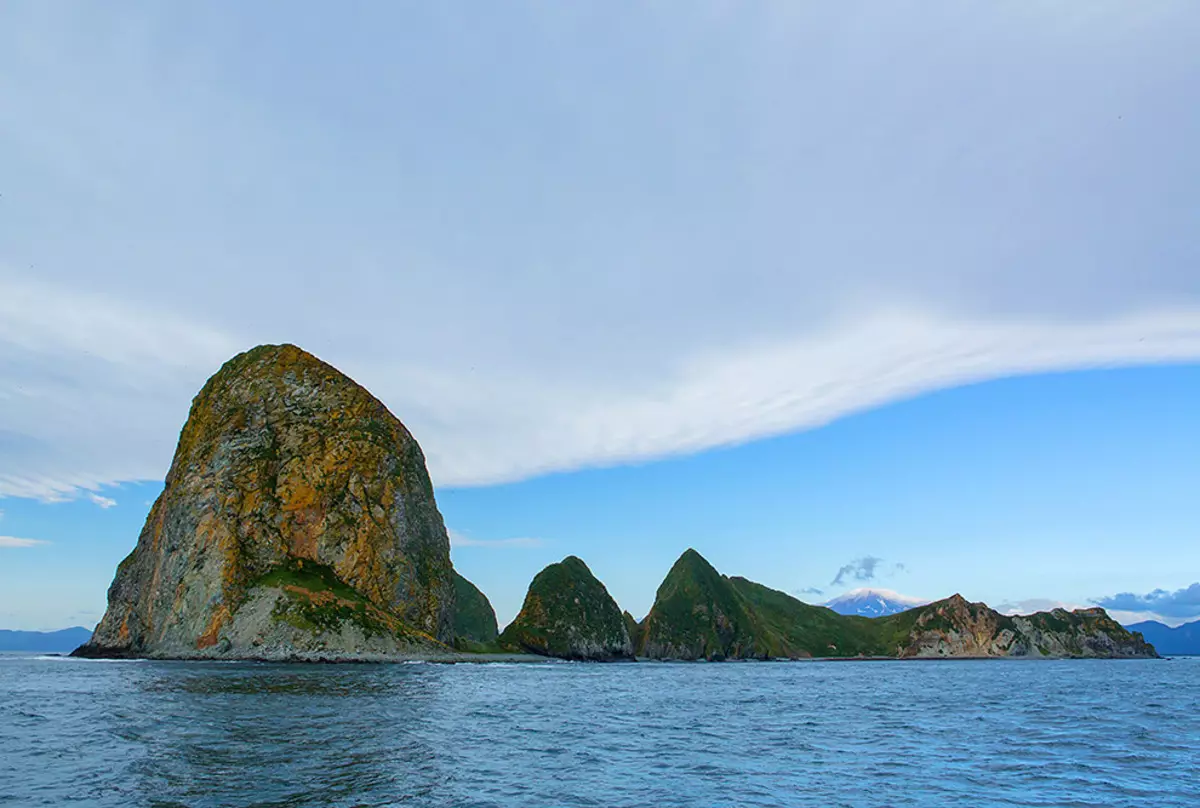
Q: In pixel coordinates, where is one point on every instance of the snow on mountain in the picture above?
(873, 602)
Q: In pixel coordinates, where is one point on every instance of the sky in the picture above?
(910, 290)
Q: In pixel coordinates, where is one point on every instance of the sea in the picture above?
(928, 734)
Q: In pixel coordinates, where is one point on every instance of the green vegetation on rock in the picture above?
(475, 626)
(633, 629)
(569, 614)
(701, 614)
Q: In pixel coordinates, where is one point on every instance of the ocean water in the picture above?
(1070, 733)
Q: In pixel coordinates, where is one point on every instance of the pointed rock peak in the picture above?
(568, 613)
(693, 562)
(576, 563)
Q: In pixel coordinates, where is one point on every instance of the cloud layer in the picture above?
(542, 260)
(1180, 604)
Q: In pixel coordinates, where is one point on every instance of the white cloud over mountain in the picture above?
(546, 260)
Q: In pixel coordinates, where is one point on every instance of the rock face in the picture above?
(701, 614)
(474, 619)
(570, 615)
(297, 520)
(956, 628)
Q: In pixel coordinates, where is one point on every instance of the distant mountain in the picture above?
(63, 641)
(1178, 641)
(873, 603)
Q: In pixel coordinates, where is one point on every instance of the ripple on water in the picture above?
(895, 734)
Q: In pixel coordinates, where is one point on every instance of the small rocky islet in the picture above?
(298, 522)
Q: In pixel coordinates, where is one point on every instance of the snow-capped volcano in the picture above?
(873, 602)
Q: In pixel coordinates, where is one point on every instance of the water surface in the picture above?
(1070, 733)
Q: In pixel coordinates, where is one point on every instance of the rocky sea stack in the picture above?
(570, 615)
(297, 521)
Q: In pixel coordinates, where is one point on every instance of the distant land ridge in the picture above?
(1179, 641)
(44, 641)
(298, 522)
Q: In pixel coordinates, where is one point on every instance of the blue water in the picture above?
(1084, 733)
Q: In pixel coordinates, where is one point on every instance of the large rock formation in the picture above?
(475, 626)
(701, 614)
(570, 615)
(956, 628)
(698, 615)
(297, 521)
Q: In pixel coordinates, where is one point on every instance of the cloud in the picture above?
(586, 286)
(810, 590)
(13, 541)
(104, 502)
(1031, 605)
(1181, 603)
(861, 569)
(460, 540)
(867, 568)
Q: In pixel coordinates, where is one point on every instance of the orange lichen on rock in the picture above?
(209, 637)
(283, 457)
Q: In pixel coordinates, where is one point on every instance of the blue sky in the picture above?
(795, 284)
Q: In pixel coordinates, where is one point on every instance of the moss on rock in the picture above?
(570, 615)
(475, 626)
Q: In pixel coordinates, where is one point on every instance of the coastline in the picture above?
(461, 657)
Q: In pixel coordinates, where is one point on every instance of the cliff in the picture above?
(297, 521)
(570, 615)
(957, 628)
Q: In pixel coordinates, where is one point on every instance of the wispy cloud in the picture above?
(13, 541)
(461, 540)
(809, 590)
(760, 309)
(1031, 605)
(1181, 603)
(860, 569)
(104, 502)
